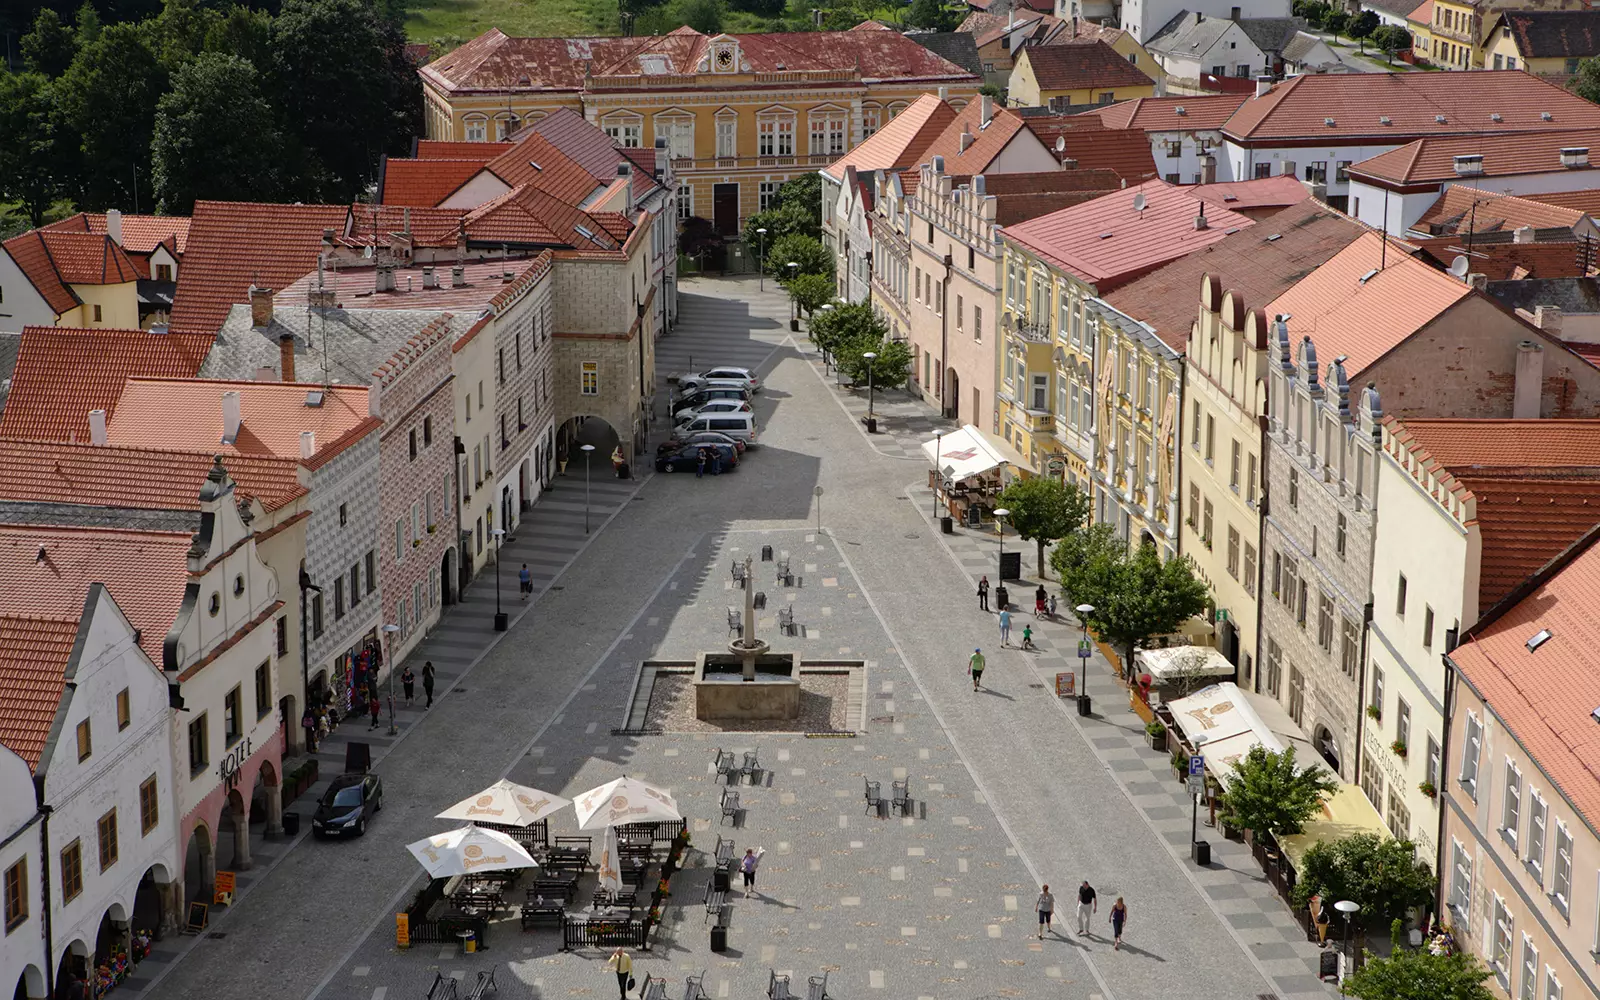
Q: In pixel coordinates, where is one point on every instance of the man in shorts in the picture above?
(975, 667)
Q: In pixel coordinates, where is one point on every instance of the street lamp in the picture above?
(388, 654)
(872, 422)
(1000, 515)
(587, 449)
(1084, 705)
(1349, 908)
(794, 303)
(500, 617)
(761, 260)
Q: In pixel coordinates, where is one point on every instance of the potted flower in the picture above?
(1427, 789)
(661, 890)
(1398, 747)
(1374, 713)
(1156, 734)
(432, 528)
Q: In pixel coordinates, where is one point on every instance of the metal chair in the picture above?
(752, 765)
(874, 798)
(735, 621)
(786, 620)
(817, 987)
(694, 987)
(778, 987)
(900, 796)
(730, 806)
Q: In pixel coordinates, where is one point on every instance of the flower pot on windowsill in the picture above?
(1427, 789)
(1398, 749)
(432, 528)
(416, 543)
(1374, 714)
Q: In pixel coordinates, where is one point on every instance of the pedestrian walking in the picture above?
(526, 579)
(375, 707)
(1087, 906)
(1005, 626)
(1041, 601)
(1119, 919)
(1319, 916)
(975, 667)
(1047, 908)
(621, 963)
(1052, 605)
(1027, 637)
(1002, 598)
(700, 469)
(308, 722)
(983, 593)
(427, 682)
(408, 680)
(748, 865)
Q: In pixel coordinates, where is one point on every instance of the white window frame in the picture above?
(475, 128)
(625, 128)
(1530, 969)
(677, 128)
(1561, 877)
(1460, 898)
(1502, 929)
(767, 196)
(727, 134)
(685, 202)
(1538, 817)
(1471, 749)
(1511, 804)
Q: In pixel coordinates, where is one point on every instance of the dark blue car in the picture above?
(687, 458)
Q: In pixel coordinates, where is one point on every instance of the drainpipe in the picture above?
(44, 887)
(944, 337)
(305, 652)
(1264, 438)
(1450, 681)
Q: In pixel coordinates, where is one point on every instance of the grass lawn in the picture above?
(456, 21)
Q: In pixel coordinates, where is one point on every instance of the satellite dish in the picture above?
(1459, 266)
(1061, 144)
(1138, 202)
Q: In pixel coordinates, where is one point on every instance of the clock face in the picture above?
(725, 59)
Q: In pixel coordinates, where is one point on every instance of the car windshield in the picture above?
(350, 795)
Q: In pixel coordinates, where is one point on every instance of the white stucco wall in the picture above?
(20, 303)
(22, 950)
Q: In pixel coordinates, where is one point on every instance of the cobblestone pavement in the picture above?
(1015, 790)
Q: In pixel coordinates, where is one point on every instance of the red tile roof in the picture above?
(135, 478)
(1019, 197)
(140, 233)
(1432, 161)
(1461, 209)
(1460, 444)
(1348, 309)
(32, 258)
(423, 183)
(144, 571)
(1279, 191)
(1544, 697)
(1107, 242)
(536, 161)
(1257, 265)
(235, 244)
(529, 216)
(34, 653)
(584, 141)
(1095, 147)
(274, 414)
(429, 227)
(51, 260)
(1511, 261)
(1586, 201)
(1171, 114)
(438, 149)
(61, 374)
(901, 141)
(1037, 28)
(1413, 102)
(987, 140)
(1080, 65)
(353, 286)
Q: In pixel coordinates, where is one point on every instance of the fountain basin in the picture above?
(723, 690)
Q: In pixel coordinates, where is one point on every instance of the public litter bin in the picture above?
(1200, 851)
(291, 824)
(1085, 706)
(469, 942)
(719, 937)
(947, 525)
(720, 880)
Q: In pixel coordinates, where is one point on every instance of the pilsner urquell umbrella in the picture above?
(506, 803)
(623, 801)
(469, 850)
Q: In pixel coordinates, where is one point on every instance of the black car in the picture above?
(347, 805)
(687, 458)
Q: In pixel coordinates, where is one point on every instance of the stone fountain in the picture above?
(749, 681)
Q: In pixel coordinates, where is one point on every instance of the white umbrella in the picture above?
(468, 850)
(609, 872)
(625, 800)
(508, 803)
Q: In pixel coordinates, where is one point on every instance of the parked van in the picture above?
(736, 425)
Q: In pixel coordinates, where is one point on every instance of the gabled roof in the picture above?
(1081, 65)
(442, 149)
(580, 139)
(273, 416)
(1257, 264)
(1505, 260)
(1095, 147)
(1171, 114)
(901, 141)
(1271, 34)
(1301, 106)
(1586, 201)
(1019, 197)
(1422, 13)
(140, 233)
(957, 47)
(1551, 34)
(429, 227)
(536, 161)
(1432, 160)
(1349, 306)
(1462, 209)
(1034, 27)
(1189, 33)
(134, 478)
(987, 140)
(236, 244)
(1544, 696)
(34, 655)
(1399, 8)
(62, 373)
(52, 260)
(529, 217)
(423, 183)
(1108, 242)
(1277, 191)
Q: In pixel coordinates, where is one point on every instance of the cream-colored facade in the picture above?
(1046, 366)
(891, 254)
(1224, 400)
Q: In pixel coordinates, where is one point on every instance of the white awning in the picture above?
(1176, 661)
(1222, 723)
(968, 452)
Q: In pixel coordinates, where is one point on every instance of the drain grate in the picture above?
(217, 935)
(883, 718)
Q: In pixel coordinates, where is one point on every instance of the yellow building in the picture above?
(1544, 42)
(1075, 73)
(50, 278)
(1001, 38)
(1462, 35)
(1420, 23)
(738, 114)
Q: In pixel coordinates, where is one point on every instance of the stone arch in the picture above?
(269, 790)
(233, 831)
(199, 864)
(73, 966)
(154, 912)
(114, 934)
(30, 984)
(1327, 745)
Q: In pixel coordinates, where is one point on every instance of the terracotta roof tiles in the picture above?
(1096, 147)
(34, 654)
(580, 139)
(32, 258)
(439, 149)
(1461, 209)
(530, 217)
(1553, 34)
(1082, 64)
(141, 234)
(1586, 201)
(273, 415)
(424, 183)
(538, 162)
(135, 478)
(987, 141)
(901, 141)
(429, 227)
(1279, 191)
(1507, 261)
(1170, 114)
(1431, 161)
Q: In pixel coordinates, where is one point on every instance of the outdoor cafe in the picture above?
(970, 468)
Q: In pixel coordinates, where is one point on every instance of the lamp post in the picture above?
(1000, 515)
(761, 259)
(872, 422)
(587, 449)
(1084, 611)
(794, 304)
(938, 442)
(1349, 908)
(388, 654)
(500, 617)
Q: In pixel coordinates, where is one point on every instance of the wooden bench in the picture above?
(443, 988)
(730, 806)
(562, 887)
(715, 900)
(548, 912)
(575, 846)
(485, 983)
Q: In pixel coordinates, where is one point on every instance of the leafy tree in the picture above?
(995, 91)
(1362, 26)
(808, 252)
(1146, 597)
(930, 14)
(1586, 83)
(1391, 39)
(33, 169)
(49, 45)
(1084, 561)
(704, 16)
(87, 23)
(811, 291)
(215, 136)
(108, 97)
(842, 15)
(889, 370)
(1270, 795)
(1335, 21)
(244, 33)
(784, 220)
(803, 194)
(1384, 875)
(179, 32)
(1312, 10)
(1044, 509)
(1420, 975)
(846, 323)
(761, 8)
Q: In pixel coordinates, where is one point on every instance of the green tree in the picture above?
(215, 136)
(49, 45)
(1392, 40)
(1314, 11)
(108, 98)
(33, 170)
(87, 24)
(930, 14)
(803, 194)
(1384, 875)
(1586, 82)
(1362, 26)
(1146, 597)
(1270, 795)
(891, 367)
(1084, 562)
(845, 323)
(704, 16)
(244, 33)
(809, 253)
(1419, 975)
(180, 31)
(842, 15)
(1043, 510)
(811, 291)
(784, 220)
(1335, 21)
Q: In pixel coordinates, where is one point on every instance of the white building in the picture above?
(1143, 18)
(1185, 132)
(23, 956)
(1192, 45)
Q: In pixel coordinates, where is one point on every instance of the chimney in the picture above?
(1234, 16)
(1548, 319)
(308, 443)
(286, 356)
(458, 277)
(1068, 163)
(1522, 234)
(938, 164)
(1571, 156)
(1208, 169)
(260, 306)
(985, 110)
(97, 424)
(114, 221)
(507, 277)
(944, 93)
(1198, 17)
(1478, 281)
(385, 277)
(979, 186)
(1469, 164)
(321, 298)
(966, 140)
(625, 172)
(1263, 84)
(1200, 220)
(429, 279)
(1529, 381)
(231, 416)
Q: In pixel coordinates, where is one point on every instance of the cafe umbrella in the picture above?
(468, 850)
(623, 801)
(506, 803)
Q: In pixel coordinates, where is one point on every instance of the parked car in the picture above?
(345, 807)
(703, 396)
(711, 406)
(679, 439)
(740, 426)
(687, 458)
(723, 373)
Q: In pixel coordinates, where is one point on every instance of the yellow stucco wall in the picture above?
(119, 307)
(1025, 91)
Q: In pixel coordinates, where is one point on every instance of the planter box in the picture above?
(1156, 741)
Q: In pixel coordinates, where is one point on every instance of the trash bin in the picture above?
(947, 524)
(1200, 851)
(719, 937)
(291, 824)
(872, 425)
(1085, 706)
(720, 880)
(469, 943)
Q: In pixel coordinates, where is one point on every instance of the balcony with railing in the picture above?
(1026, 327)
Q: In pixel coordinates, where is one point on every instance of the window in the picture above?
(355, 572)
(625, 133)
(869, 120)
(1041, 392)
(413, 442)
(1325, 622)
(400, 540)
(1471, 743)
(1561, 874)
(16, 894)
(1511, 808)
(1194, 427)
(477, 129)
(1538, 815)
(685, 202)
(1233, 552)
(163, 272)
(281, 627)
(1402, 722)
(1400, 597)
(1272, 676)
(97, 317)
(85, 743)
(1317, 172)
(1294, 489)
(768, 192)
(1500, 952)
(1399, 816)
(1211, 437)
(1372, 783)
(108, 839)
(1194, 505)
(1297, 694)
(1552, 985)
(232, 723)
(775, 136)
(71, 871)
(149, 806)
(123, 712)
(1249, 569)
(1233, 474)
(1250, 483)
(1263, 170)
(372, 555)
(1427, 626)
(1339, 535)
(1291, 567)
(338, 598)
(727, 135)
(1430, 769)
(427, 422)
(1350, 648)
(1375, 702)
(679, 133)
(590, 378)
(316, 615)
(977, 324)
(1205, 533)
(1342, 171)
(1460, 881)
(1530, 970)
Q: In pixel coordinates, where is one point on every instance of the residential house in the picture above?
(1083, 142)
(1069, 74)
(50, 278)
(1482, 217)
(1471, 509)
(1256, 199)
(1520, 877)
(1144, 19)
(153, 243)
(1420, 23)
(1185, 133)
(1201, 54)
(1304, 53)
(1418, 343)
(737, 111)
(1461, 28)
(24, 954)
(1546, 42)
(999, 37)
(852, 229)
(891, 250)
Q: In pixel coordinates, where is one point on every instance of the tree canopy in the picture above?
(809, 253)
(1420, 975)
(1271, 795)
(1044, 509)
(930, 14)
(215, 136)
(1135, 597)
(1392, 39)
(1586, 82)
(811, 291)
(1384, 875)
(889, 369)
